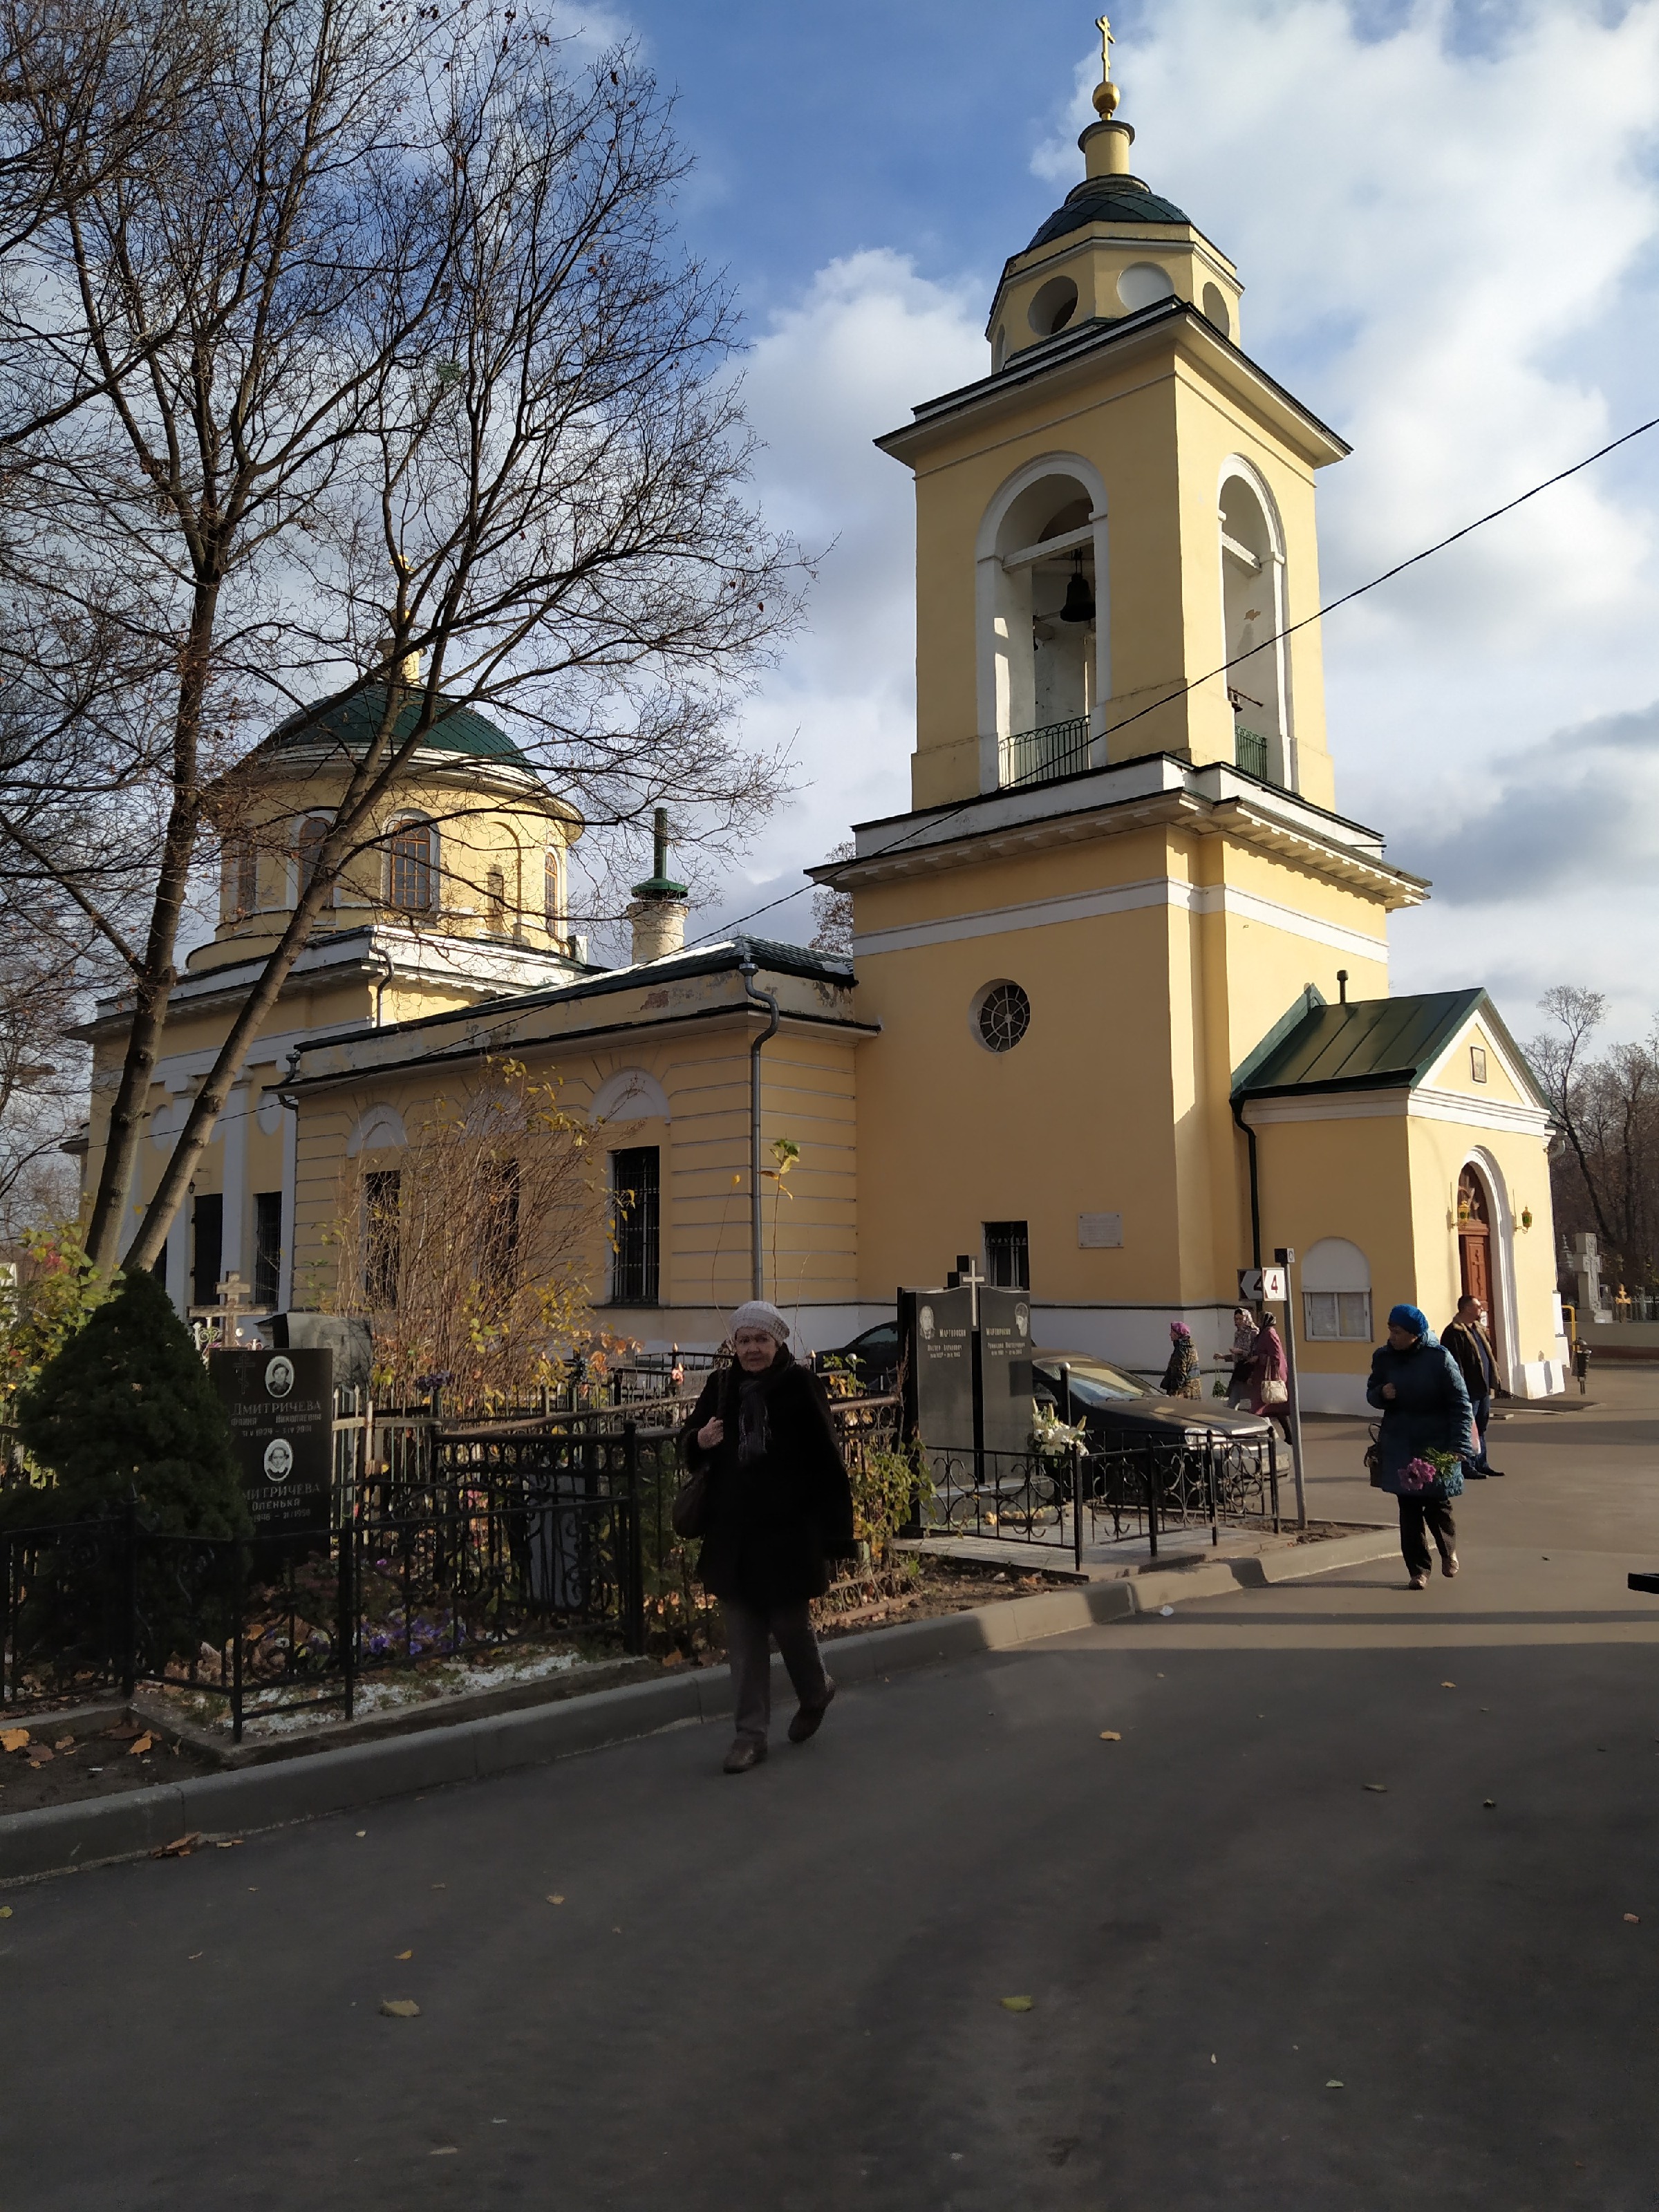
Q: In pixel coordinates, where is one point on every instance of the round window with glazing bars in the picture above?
(1003, 1017)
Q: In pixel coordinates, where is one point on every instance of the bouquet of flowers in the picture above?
(1424, 1472)
(1051, 1438)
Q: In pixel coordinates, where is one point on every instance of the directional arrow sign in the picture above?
(1257, 1286)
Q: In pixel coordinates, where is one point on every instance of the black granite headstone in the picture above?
(936, 1346)
(1005, 1358)
(281, 1409)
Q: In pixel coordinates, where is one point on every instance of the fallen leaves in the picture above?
(139, 1745)
(1016, 2004)
(361, 1832)
(1634, 1918)
(179, 1848)
(1490, 1804)
(13, 1738)
(556, 1900)
(400, 2008)
(1381, 1788)
(5, 1912)
(1336, 2085)
(1449, 1686)
(65, 1743)
(403, 1954)
(40, 1754)
(1110, 1735)
(445, 2150)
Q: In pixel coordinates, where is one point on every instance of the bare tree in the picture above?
(832, 911)
(1606, 1170)
(472, 1254)
(398, 367)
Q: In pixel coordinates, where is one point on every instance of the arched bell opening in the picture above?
(1253, 622)
(1043, 627)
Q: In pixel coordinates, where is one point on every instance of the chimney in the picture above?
(659, 908)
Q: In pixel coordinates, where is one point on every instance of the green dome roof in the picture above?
(351, 723)
(1105, 199)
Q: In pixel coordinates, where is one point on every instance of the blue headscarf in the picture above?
(1411, 1317)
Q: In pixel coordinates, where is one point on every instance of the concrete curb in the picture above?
(66, 1838)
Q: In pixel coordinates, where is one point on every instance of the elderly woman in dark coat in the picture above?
(1426, 1408)
(780, 1509)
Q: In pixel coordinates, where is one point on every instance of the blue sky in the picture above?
(1447, 218)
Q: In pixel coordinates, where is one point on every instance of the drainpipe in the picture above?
(746, 970)
(387, 972)
(1255, 1195)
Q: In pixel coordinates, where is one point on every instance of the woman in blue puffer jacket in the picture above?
(1425, 1408)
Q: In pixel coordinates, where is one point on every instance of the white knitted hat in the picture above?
(755, 1313)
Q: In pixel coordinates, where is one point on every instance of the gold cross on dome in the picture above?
(1103, 25)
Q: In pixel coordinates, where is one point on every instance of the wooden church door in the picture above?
(1475, 1240)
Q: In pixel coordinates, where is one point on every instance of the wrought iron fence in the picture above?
(1039, 755)
(1104, 1493)
(445, 1544)
(279, 1625)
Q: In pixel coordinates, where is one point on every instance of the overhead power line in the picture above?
(1181, 691)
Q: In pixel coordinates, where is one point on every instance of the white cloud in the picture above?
(869, 339)
(1451, 253)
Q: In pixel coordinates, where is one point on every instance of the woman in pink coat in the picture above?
(1268, 1364)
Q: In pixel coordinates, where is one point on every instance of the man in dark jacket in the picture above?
(1466, 1340)
(780, 1509)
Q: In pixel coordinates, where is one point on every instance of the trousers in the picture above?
(749, 1633)
(1435, 1515)
(1481, 1408)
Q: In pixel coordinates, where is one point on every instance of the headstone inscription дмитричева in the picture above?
(280, 1405)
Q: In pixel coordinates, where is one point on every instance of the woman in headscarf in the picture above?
(1426, 1408)
(1269, 1365)
(780, 1509)
(1244, 1352)
(1181, 1377)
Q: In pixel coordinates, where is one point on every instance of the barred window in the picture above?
(636, 1211)
(1004, 1016)
(409, 869)
(382, 1237)
(1007, 1255)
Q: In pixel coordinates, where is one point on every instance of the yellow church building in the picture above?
(1116, 1020)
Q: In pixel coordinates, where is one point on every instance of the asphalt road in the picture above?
(786, 1990)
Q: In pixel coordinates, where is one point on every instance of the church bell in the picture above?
(1079, 605)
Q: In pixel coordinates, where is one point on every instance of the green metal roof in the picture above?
(1105, 199)
(1369, 1044)
(351, 723)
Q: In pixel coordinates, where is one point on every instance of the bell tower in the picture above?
(1122, 871)
(1122, 507)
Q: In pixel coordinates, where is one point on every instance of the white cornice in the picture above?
(1215, 799)
(1419, 1105)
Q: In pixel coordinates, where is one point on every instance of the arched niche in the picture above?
(1253, 603)
(1336, 1292)
(1042, 680)
(630, 1095)
(377, 1129)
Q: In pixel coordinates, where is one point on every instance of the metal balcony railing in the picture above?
(1039, 755)
(1250, 752)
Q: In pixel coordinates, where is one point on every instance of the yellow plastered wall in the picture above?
(1117, 1099)
(1516, 1169)
(807, 1094)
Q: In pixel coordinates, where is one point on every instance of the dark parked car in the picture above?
(873, 1357)
(1112, 1404)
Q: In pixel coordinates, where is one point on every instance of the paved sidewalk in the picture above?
(784, 1992)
